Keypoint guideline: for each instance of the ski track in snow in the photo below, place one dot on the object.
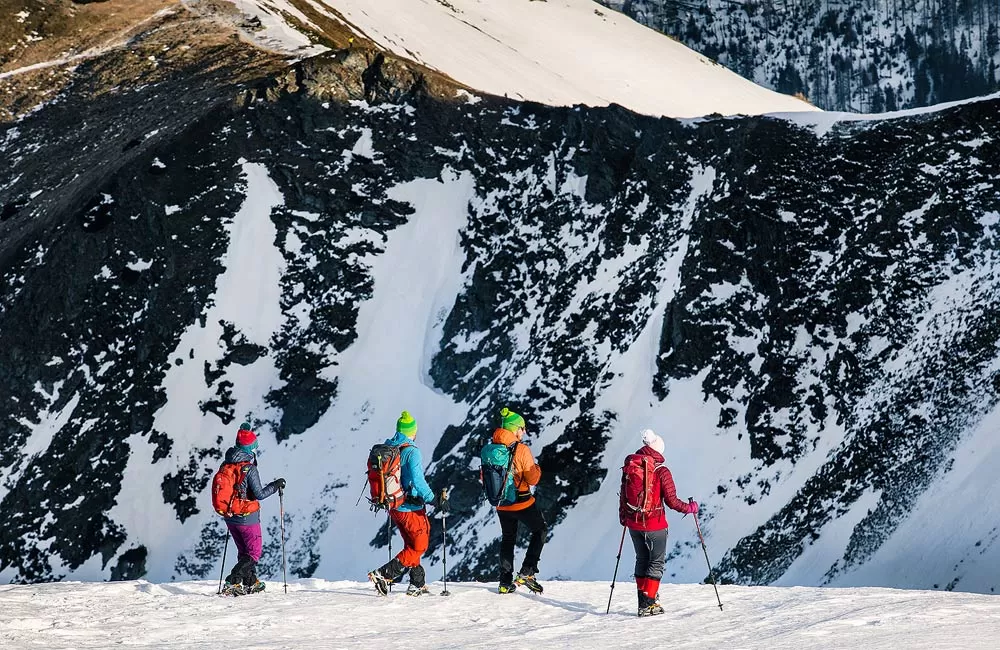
(321, 614)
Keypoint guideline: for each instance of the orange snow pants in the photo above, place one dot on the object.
(415, 528)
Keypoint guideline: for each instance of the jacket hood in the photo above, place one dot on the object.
(400, 439)
(646, 450)
(237, 455)
(504, 437)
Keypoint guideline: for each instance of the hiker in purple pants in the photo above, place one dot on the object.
(245, 529)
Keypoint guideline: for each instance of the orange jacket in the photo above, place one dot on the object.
(526, 470)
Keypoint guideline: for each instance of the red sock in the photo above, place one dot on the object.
(640, 582)
(651, 587)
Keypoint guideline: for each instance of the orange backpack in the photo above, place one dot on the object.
(229, 491)
(385, 480)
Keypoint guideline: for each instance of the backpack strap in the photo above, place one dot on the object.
(512, 448)
(244, 471)
(229, 506)
(656, 466)
(401, 448)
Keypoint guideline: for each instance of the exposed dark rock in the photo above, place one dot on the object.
(131, 564)
(782, 268)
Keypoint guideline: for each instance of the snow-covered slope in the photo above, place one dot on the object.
(769, 306)
(805, 308)
(281, 26)
(321, 614)
(559, 52)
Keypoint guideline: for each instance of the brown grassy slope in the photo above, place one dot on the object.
(143, 41)
(136, 41)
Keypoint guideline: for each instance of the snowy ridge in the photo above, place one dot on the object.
(277, 31)
(321, 614)
(559, 52)
(823, 123)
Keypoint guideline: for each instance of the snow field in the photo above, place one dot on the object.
(276, 32)
(321, 614)
(558, 52)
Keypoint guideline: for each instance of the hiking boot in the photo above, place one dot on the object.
(381, 582)
(648, 606)
(506, 589)
(417, 591)
(255, 588)
(233, 589)
(529, 582)
(651, 610)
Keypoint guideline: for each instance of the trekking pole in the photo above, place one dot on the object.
(284, 566)
(444, 539)
(223, 570)
(361, 495)
(388, 528)
(617, 562)
(707, 561)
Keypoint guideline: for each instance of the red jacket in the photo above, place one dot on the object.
(668, 497)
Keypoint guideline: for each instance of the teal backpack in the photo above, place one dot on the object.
(498, 479)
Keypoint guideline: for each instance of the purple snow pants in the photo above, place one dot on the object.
(248, 538)
(249, 544)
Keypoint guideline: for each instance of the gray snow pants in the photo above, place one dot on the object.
(650, 552)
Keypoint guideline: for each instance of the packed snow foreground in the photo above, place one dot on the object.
(320, 614)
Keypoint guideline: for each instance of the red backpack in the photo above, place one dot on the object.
(229, 491)
(385, 480)
(640, 496)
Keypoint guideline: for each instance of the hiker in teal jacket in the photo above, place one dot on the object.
(410, 517)
(411, 471)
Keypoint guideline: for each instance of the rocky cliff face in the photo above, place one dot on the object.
(849, 55)
(807, 311)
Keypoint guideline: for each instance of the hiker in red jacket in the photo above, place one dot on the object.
(646, 487)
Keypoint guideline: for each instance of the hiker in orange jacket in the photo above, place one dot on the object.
(524, 510)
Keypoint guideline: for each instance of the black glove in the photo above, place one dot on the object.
(441, 502)
(279, 483)
(411, 500)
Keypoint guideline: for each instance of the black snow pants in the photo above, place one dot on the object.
(533, 520)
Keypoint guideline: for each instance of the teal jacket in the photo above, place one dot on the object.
(411, 471)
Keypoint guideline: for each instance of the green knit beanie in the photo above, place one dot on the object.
(511, 420)
(406, 425)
